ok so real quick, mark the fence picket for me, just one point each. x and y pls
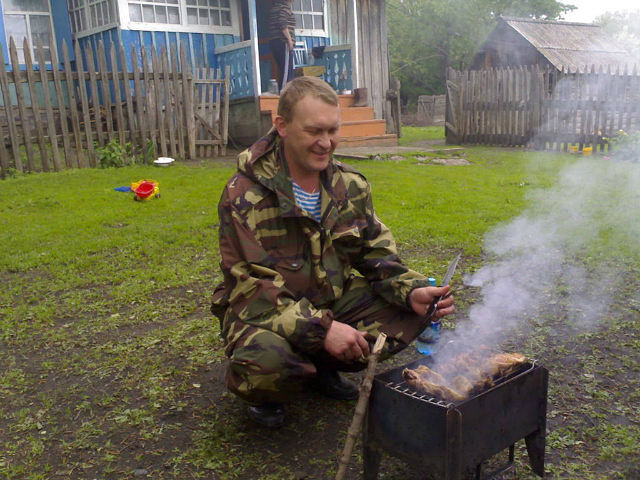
(51, 124)
(169, 104)
(95, 97)
(106, 90)
(117, 97)
(17, 80)
(57, 82)
(84, 104)
(73, 106)
(126, 85)
(177, 95)
(9, 110)
(158, 100)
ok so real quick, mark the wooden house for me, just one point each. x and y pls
(217, 34)
(558, 45)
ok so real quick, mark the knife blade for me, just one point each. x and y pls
(445, 281)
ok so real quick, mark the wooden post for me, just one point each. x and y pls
(84, 102)
(73, 105)
(51, 124)
(66, 143)
(26, 132)
(361, 406)
(13, 131)
(188, 92)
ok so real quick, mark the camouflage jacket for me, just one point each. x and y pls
(282, 269)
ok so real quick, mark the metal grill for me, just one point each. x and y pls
(451, 440)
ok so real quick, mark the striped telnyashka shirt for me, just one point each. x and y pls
(309, 202)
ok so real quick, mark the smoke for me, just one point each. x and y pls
(563, 258)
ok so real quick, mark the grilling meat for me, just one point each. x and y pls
(467, 373)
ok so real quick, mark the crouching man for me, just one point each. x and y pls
(311, 275)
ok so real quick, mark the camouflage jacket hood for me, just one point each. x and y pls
(282, 269)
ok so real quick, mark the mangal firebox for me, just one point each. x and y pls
(449, 440)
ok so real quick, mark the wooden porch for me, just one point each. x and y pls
(359, 127)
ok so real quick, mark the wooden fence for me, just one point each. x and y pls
(543, 109)
(54, 118)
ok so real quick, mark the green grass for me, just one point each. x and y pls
(110, 361)
(416, 134)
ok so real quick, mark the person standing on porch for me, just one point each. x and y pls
(311, 275)
(282, 24)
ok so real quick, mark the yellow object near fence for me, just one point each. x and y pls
(586, 151)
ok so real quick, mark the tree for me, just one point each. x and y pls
(428, 36)
(625, 28)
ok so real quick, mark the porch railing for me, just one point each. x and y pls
(337, 61)
(237, 57)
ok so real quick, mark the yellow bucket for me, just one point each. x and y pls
(586, 151)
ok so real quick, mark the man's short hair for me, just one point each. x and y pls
(299, 88)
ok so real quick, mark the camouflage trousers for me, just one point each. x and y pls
(265, 367)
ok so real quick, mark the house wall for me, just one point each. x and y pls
(373, 61)
(61, 29)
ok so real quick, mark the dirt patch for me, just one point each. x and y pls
(451, 161)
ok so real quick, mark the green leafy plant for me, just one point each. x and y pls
(625, 144)
(114, 154)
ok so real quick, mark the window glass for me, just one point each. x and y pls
(135, 12)
(174, 15)
(147, 13)
(25, 5)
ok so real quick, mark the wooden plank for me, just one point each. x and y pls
(140, 100)
(217, 121)
(17, 79)
(69, 154)
(178, 97)
(13, 130)
(188, 92)
(4, 157)
(73, 106)
(126, 85)
(84, 102)
(150, 107)
(158, 88)
(51, 123)
(169, 123)
(117, 96)
(106, 91)
(95, 97)
(225, 110)
(35, 107)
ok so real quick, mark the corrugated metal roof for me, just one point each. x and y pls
(571, 45)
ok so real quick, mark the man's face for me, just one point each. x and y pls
(310, 137)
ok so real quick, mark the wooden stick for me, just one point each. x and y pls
(361, 407)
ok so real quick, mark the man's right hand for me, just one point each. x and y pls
(345, 342)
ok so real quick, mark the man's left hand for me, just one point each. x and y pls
(422, 298)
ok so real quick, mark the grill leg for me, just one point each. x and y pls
(535, 448)
(371, 458)
(501, 470)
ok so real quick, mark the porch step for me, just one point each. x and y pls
(363, 128)
(386, 140)
(352, 114)
(358, 128)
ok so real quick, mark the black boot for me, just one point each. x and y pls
(270, 415)
(331, 384)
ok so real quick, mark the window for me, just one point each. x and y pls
(91, 14)
(30, 19)
(160, 11)
(209, 12)
(309, 15)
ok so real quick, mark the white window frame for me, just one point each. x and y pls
(19, 42)
(91, 29)
(183, 26)
(314, 32)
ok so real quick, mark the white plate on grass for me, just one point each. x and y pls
(163, 161)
